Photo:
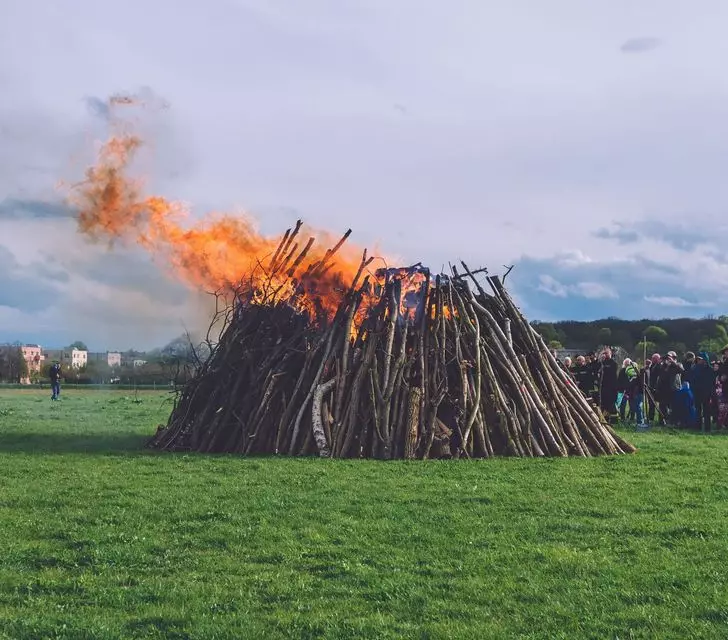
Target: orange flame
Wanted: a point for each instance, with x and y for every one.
(214, 254)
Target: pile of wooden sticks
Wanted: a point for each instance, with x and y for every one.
(410, 365)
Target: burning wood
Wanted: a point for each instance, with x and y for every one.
(405, 364)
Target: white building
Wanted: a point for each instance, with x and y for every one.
(78, 358)
(74, 358)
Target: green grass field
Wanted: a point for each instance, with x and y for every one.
(104, 539)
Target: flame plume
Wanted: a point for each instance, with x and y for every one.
(217, 253)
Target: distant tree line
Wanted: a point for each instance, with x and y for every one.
(635, 336)
(173, 364)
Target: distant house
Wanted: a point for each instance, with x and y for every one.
(139, 363)
(110, 358)
(74, 358)
(33, 355)
(78, 358)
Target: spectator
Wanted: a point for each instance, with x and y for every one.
(652, 376)
(582, 375)
(702, 381)
(636, 393)
(608, 383)
(627, 374)
(669, 383)
(721, 390)
(688, 361)
(683, 406)
(723, 365)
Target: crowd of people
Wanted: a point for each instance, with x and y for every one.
(663, 390)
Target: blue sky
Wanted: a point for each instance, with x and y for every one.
(583, 142)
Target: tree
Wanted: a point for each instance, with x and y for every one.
(604, 335)
(642, 348)
(710, 345)
(555, 345)
(81, 346)
(95, 372)
(656, 334)
(13, 367)
(721, 333)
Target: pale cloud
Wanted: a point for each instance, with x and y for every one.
(674, 301)
(589, 290)
(496, 133)
(552, 286)
(594, 291)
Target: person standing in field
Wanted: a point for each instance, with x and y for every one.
(54, 373)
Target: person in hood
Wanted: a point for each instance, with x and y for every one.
(702, 381)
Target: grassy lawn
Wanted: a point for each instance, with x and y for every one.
(103, 539)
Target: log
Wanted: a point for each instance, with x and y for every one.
(319, 433)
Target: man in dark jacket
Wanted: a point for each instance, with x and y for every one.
(702, 381)
(669, 383)
(608, 371)
(593, 366)
(582, 375)
(688, 361)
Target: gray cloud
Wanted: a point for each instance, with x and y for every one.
(630, 288)
(640, 45)
(620, 234)
(98, 107)
(22, 208)
(21, 288)
(679, 236)
(131, 271)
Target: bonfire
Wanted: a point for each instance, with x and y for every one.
(322, 353)
(399, 363)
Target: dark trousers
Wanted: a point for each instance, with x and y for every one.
(55, 389)
(704, 410)
(651, 407)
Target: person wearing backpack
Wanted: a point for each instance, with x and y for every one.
(54, 373)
